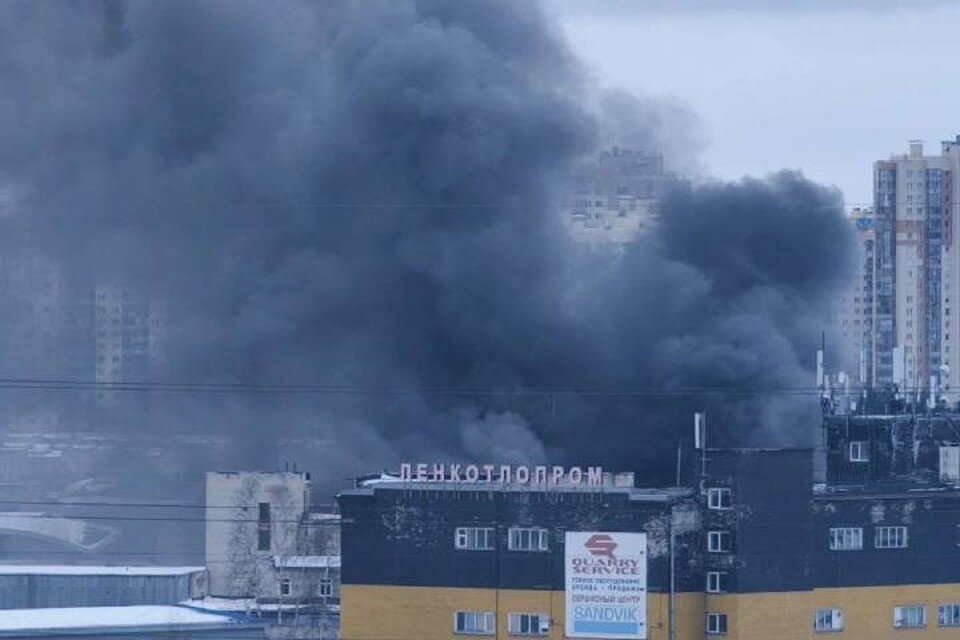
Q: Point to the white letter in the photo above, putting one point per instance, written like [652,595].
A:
[473,473]
[523,475]
[557,475]
[438,474]
[595,476]
[488,472]
[505,475]
[454,473]
[405,471]
[421,471]
[576,475]
[540,475]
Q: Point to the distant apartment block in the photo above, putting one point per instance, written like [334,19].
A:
[613,200]
[898,318]
[854,310]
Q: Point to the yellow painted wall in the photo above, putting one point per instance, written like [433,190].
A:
[867,612]
[426,613]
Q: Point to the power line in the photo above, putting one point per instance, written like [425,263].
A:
[375,390]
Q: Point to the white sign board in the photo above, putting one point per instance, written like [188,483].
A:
[606,585]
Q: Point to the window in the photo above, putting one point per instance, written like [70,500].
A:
[716,623]
[263,526]
[528,624]
[325,588]
[716,582]
[846,538]
[828,620]
[718,541]
[890,538]
[910,616]
[948,615]
[284,586]
[528,539]
[718,498]
[859,451]
[479,622]
[474,538]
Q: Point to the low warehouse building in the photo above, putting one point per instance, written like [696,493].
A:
[37,586]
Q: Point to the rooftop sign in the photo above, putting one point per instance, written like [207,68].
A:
[540,475]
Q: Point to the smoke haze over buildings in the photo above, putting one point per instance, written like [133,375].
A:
[364,197]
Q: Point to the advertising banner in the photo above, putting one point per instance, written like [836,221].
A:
[606,584]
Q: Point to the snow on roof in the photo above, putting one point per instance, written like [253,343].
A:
[93,570]
[319,516]
[306,562]
[105,617]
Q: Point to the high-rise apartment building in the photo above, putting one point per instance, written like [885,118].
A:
[854,312]
[915,269]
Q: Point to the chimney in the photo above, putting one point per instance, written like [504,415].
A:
[916,148]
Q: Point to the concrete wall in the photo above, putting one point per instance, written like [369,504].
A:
[237,567]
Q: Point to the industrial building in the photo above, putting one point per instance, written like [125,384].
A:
[856,537]
[43,586]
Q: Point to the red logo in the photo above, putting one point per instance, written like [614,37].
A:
[600,544]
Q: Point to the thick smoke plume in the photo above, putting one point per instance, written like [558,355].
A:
[361,200]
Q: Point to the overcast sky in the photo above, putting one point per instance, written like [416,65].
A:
[827,88]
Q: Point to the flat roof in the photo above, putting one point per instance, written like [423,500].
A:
[93,570]
[15,622]
[632,493]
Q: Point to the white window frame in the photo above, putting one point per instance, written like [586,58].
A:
[475,623]
[325,587]
[909,616]
[948,615]
[469,538]
[537,624]
[715,498]
[859,451]
[890,538]
[715,542]
[713,626]
[528,539]
[827,619]
[846,538]
[715,581]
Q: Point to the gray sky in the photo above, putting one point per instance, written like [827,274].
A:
[827,88]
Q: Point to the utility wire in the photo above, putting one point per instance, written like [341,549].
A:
[330,389]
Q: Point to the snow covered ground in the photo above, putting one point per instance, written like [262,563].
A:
[101,617]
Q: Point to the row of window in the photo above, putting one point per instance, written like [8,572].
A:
[518,539]
[324,586]
[841,539]
[484,623]
[829,619]
[851,538]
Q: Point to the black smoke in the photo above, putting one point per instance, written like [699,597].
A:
[357,204]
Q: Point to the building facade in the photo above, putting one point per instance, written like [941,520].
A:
[48,586]
[855,308]
[916,199]
[434,560]
[757,549]
[265,544]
